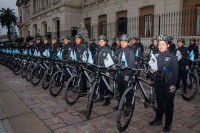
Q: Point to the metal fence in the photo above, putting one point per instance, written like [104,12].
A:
[185,23]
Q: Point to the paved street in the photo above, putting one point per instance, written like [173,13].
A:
[61,118]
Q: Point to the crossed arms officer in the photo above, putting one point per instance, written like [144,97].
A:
[166,78]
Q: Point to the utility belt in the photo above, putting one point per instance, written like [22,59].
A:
[164,77]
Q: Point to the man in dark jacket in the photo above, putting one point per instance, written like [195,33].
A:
[93,47]
[137,49]
[126,58]
[140,45]
[81,53]
[38,45]
[102,53]
[67,48]
[46,46]
[193,47]
[55,47]
[182,53]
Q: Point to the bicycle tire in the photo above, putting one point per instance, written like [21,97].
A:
[91,98]
[23,73]
[123,111]
[37,74]
[152,98]
[70,84]
[46,78]
[16,69]
[28,72]
[53,82]
[192,78]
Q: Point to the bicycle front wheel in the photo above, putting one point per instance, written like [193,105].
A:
[91,97]
[192,87]
[73,90]
[28,72]
[56,83]
[125,109]
[46,78]
[37,74]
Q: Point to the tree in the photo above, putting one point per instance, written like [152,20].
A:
[8,18]
[13,30]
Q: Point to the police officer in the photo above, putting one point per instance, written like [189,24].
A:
[81,52]
[125,59]
[165,83]
[154,48]
[116,47]
[31,48]
[67,48]
[93,47]
[193,47]
[55,47]
[182,53]
[101,54]
[137,49]
[140,45]
[151,45]
[46,45]
[172,47]
[79,47]
[39,45]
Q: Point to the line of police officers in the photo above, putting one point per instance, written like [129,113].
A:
[127,51]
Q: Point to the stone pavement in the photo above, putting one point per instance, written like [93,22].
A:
[61,118]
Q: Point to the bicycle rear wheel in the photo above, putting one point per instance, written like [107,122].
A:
[56,83]
[73,90]
[192,87]
[125,109]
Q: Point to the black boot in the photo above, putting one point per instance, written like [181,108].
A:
[116,108]
[155,123]
[100,99]
[106,102]
[167,128]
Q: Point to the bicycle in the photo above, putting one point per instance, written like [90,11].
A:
[127,102]
[59,78]
[52,68]
[38,70]
[192,83]
[73,87]
[94,89]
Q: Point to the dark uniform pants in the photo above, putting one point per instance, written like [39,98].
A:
[122,82]
[165,102]
[103,88]
[182,76]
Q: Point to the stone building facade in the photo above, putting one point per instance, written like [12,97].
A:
[144,18]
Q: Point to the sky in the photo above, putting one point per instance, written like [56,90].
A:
[8,4]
